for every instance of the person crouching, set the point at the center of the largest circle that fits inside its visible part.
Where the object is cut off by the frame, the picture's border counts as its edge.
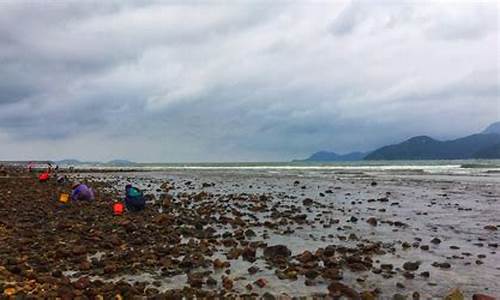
(134, 198)
(82, 192)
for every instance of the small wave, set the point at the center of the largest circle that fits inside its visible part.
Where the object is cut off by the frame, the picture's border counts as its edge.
(480, 166)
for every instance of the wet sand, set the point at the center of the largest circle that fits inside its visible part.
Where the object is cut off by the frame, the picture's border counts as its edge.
(223, 233)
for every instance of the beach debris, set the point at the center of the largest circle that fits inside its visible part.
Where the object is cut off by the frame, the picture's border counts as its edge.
(455, 294)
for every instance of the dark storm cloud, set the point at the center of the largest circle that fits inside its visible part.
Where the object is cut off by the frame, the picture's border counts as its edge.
(199, 81)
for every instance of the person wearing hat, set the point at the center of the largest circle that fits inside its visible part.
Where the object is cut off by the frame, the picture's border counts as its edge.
(82, 192)
(134, 198)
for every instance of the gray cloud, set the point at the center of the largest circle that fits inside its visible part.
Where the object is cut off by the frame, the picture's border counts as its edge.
(159, 81)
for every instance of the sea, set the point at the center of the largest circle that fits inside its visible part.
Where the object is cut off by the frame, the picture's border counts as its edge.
(455, 167)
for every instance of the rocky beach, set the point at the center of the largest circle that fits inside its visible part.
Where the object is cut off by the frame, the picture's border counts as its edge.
(253, 233)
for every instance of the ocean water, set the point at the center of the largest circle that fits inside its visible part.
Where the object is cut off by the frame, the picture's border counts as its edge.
(411, 166)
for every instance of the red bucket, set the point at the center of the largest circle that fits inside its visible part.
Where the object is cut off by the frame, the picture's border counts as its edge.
(118, 208)
(43, 177)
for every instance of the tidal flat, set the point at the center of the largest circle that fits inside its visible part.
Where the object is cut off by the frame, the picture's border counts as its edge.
(272, 233)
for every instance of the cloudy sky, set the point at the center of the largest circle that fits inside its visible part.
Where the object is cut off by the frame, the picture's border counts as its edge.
(214, 81)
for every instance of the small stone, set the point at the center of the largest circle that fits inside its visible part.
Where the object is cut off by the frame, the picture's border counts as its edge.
(261, 282)
(372, 221)
(307, 202)
(276, 251)
(218, 264)
(338, 289)
(491, 227)
(436, 241)
(82, 283)
(227, 283)
(252, 270)
(211, 281)
(398, 297)
(366, 295)
(411, 266)
(425, 274)
(482, 297)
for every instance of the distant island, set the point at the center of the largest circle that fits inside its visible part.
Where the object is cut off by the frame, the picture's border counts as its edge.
(115, 162)
(332, 156)
(484, 145)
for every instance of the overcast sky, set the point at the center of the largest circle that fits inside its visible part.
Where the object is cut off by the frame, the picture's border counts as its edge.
(213, 81)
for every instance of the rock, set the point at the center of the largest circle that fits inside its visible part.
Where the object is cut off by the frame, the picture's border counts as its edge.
(211, 281)
(366, 295)
(248, 254)
(329, 251)
(406, 245)
(311, 274)
(398, 297)
(227, 283)
(373, 183)
(425, 274)
(82, 283)
(79, 250)
(338, 289)
(219, 264)
(252, 270)
(195, 280)
(249, 233)
(411, 266)
(268, 296)
(491, 227)
(436, 241)
(415, 296)
(456, 294)
(443, 265)
(277, 251)
(85, 266)
(306, 257)
(307, 202)
(261, 282)
(332, 273)
(372, 221)
(482, 297)
(353, 219)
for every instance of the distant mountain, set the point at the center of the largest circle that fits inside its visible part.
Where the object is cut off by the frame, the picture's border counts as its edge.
(69, 162)
(489, 152)
(332, 156)
(482, 145)
(493, 128)
(424, 147)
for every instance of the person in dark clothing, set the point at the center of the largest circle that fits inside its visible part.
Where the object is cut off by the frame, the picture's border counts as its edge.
(134, 198)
